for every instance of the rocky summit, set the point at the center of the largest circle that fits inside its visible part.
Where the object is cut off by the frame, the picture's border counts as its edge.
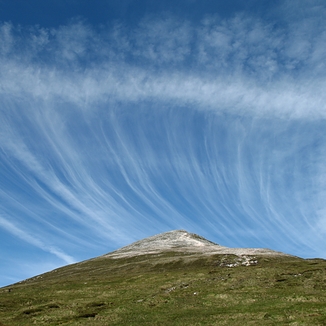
(183, 241)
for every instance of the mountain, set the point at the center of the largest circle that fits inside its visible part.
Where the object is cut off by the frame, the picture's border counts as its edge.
(174, 278)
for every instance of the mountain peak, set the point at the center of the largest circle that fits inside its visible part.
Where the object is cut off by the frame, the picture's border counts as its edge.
(171, 239)
(182, 241)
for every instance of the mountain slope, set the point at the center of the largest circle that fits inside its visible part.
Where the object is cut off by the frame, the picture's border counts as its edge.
(175, 278)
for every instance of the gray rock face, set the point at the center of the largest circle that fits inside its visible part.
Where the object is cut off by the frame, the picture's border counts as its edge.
(183, 241)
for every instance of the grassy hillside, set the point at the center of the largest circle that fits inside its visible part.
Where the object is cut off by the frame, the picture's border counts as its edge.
(172, 289)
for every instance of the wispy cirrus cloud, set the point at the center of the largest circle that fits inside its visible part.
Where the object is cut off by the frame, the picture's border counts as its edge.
(32, 239)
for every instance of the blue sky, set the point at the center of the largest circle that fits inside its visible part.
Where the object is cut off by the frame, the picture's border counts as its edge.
(121, 120)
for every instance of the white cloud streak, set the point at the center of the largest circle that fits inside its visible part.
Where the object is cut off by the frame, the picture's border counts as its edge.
(241, 65)
(32, 239)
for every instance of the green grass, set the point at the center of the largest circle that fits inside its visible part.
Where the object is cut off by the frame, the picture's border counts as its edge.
(171, 289)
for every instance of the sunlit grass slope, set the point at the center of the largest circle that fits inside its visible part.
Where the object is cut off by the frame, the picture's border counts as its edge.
(172, 289)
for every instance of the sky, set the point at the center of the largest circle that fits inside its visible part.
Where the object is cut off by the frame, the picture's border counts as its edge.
(124, 119)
